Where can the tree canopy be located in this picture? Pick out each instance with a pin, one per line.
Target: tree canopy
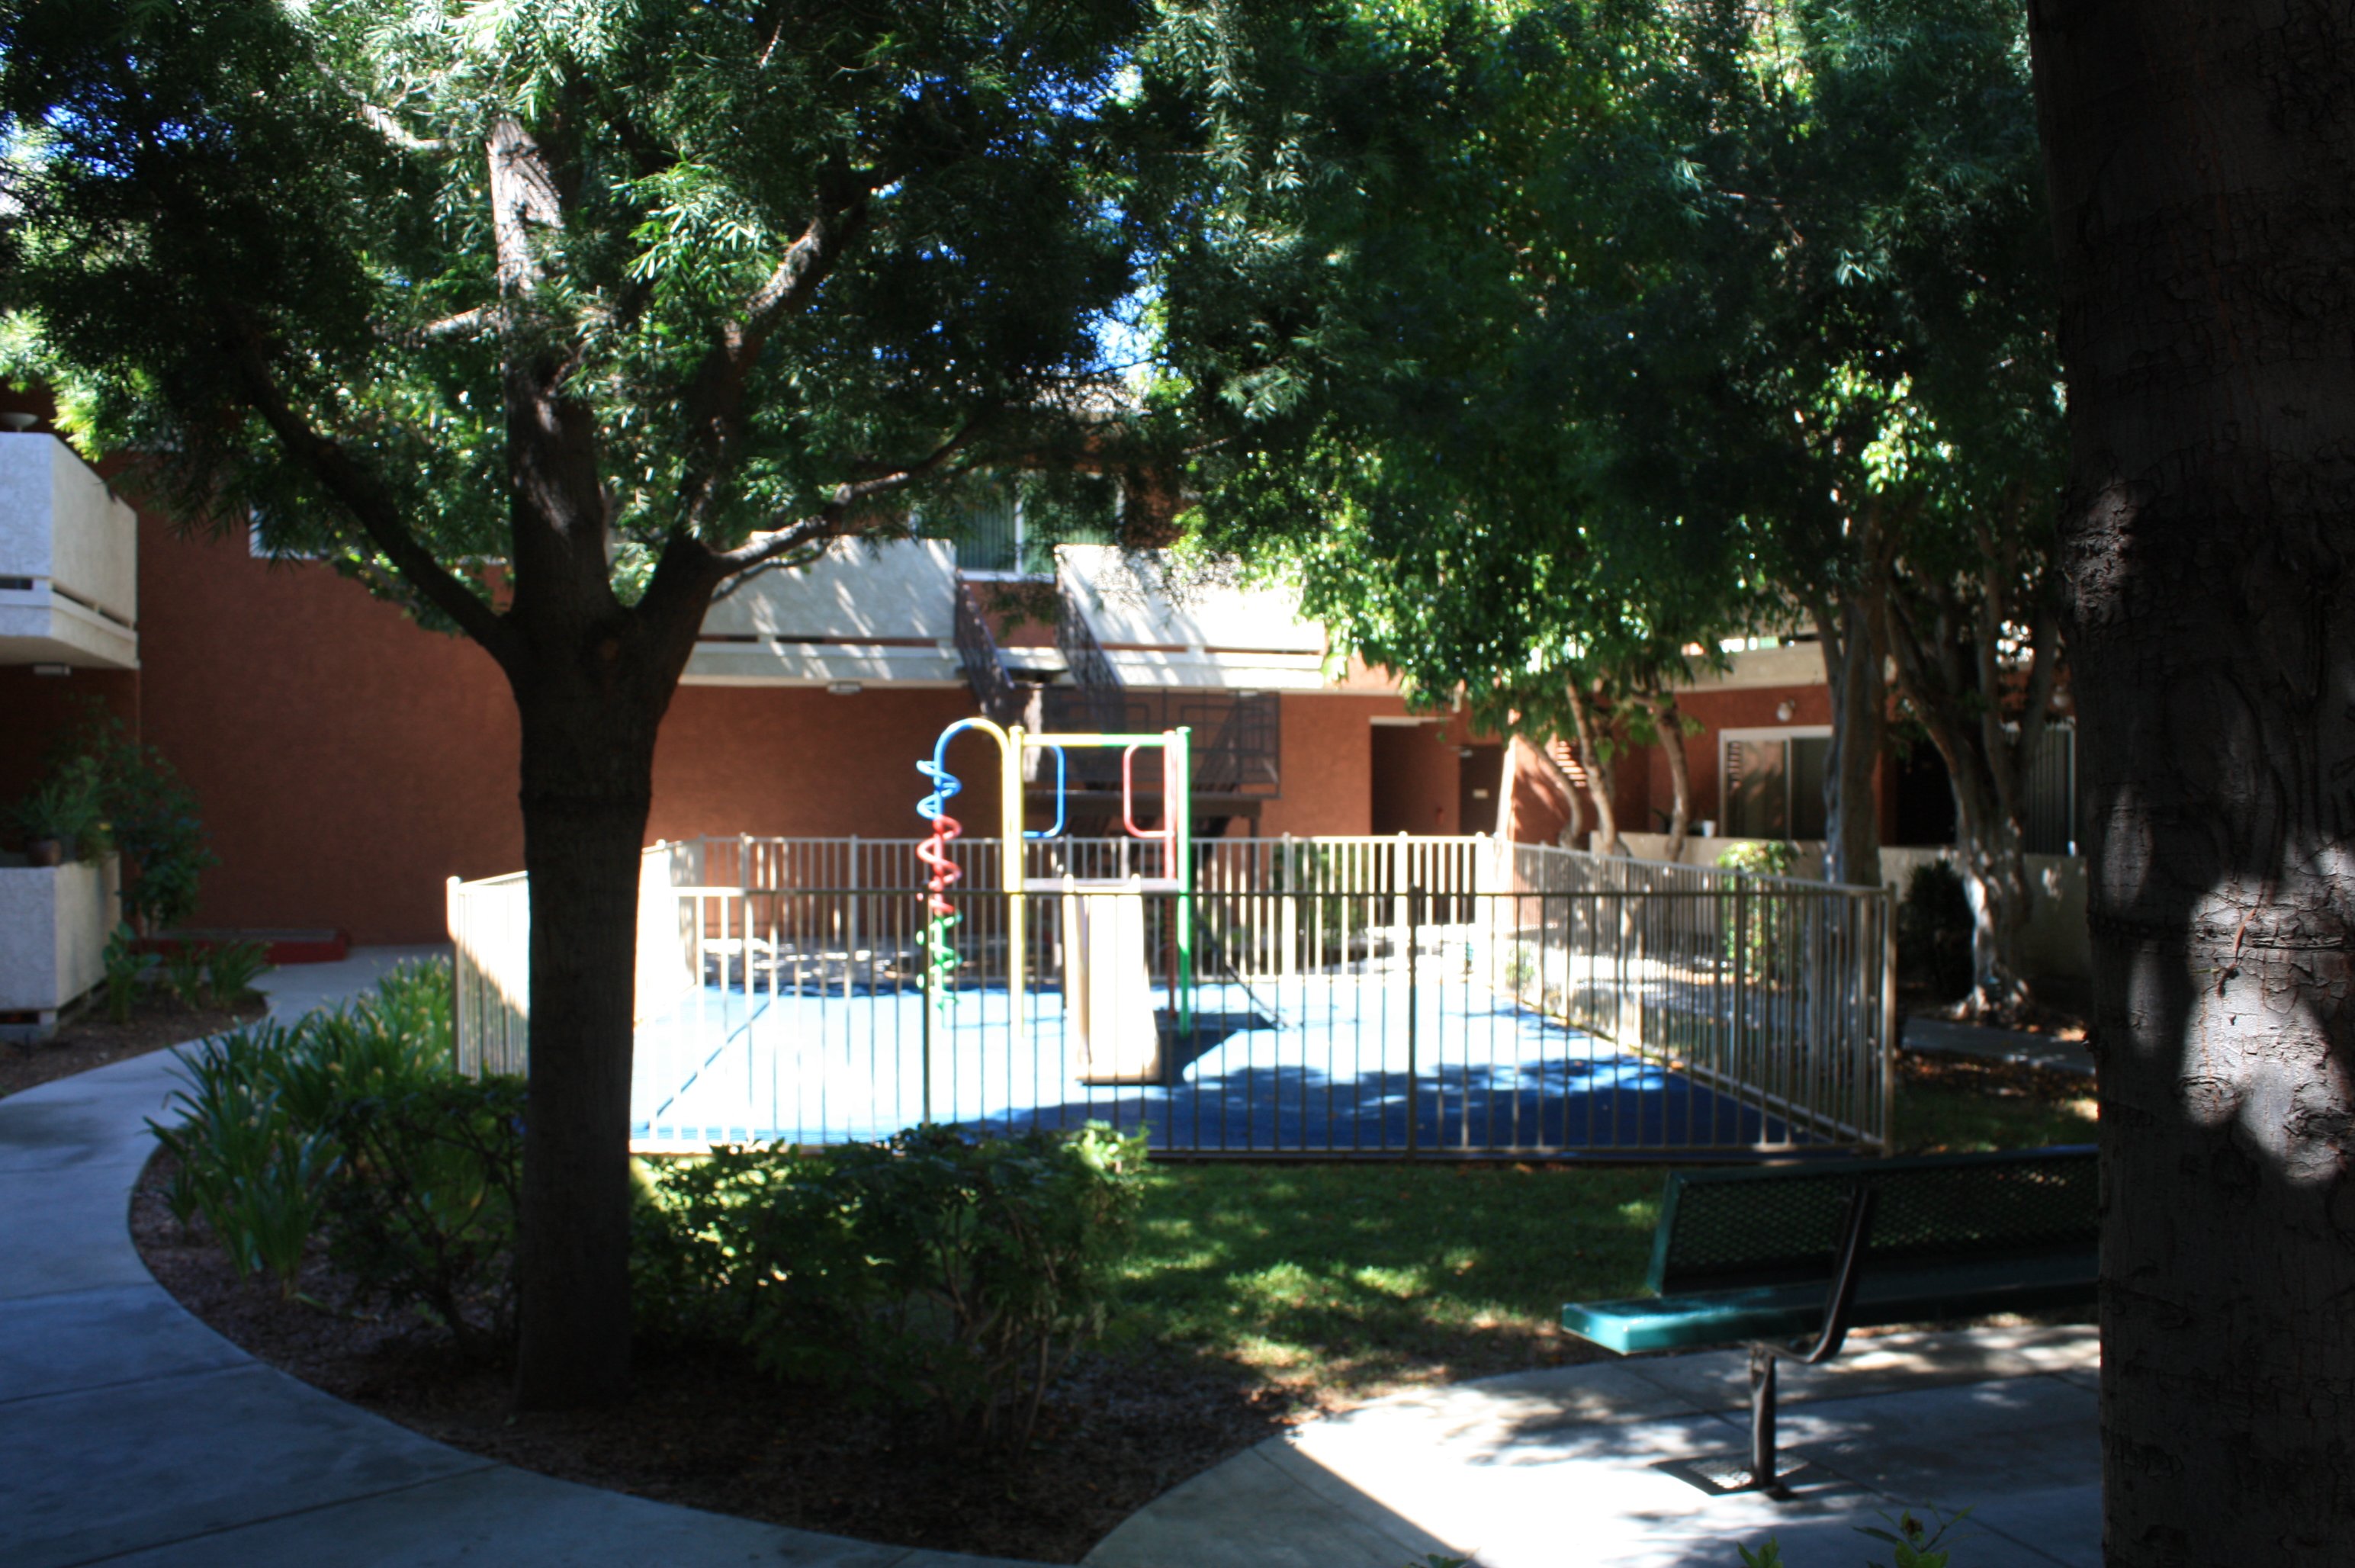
(551, 317)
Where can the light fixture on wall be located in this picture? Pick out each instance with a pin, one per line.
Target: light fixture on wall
(843, 688)
(53, 669)
(1783, 710)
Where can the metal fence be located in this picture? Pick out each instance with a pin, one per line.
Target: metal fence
(1348, 998)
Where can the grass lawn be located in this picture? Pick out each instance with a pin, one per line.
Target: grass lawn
(1340, 1281)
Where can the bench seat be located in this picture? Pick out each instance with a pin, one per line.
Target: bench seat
(1899, 1295)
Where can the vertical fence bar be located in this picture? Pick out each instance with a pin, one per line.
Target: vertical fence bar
(1413, 1016)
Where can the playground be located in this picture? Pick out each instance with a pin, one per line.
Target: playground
(1341, 997)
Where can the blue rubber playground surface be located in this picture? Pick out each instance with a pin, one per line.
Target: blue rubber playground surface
(1307, 1065)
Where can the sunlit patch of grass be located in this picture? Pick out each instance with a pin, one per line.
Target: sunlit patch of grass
(1339, 1281)
(1349, 1278)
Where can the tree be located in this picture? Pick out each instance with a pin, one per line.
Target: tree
(1408, 437)
(552, 318)
(2202, 161)
(1736, 297)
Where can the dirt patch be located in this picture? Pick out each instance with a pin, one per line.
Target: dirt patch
(2060, 1010)
(706, 1429)
(93, 1040)
(1994, 1080)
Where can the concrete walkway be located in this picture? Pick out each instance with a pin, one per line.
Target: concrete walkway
(1562, 1469)
(1998, 1044)
(132, 1434)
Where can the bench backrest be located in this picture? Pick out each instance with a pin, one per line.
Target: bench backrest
(1723, 1230)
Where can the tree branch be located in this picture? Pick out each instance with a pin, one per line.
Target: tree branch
(360, 496)
(828, 520)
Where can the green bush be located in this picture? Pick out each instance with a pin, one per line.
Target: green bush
(351, 1124)
(231, 969)
(424, 1216)
(1934, 931)
(125, 968)
(147, 813)
(1760, 857)
(184, 974)
(933, 1271)
(67, 805)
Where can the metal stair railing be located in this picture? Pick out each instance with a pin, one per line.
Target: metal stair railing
(1002, 697)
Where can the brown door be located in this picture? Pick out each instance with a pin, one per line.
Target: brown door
(1481, 775)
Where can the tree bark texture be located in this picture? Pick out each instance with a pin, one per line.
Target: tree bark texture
(1668, 724)
(1860, 694)
(1586, 726)
(2200, 158)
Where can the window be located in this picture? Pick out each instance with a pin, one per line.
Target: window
(1772, 782)
(2050, 785)
(1012, 529)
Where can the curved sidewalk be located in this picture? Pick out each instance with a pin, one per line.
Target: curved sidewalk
(131, 1432)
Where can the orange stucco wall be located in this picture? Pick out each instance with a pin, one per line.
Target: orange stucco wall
(796, 760)
(345, 761)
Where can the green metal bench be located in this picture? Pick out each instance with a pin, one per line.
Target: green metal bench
(1790, 1258)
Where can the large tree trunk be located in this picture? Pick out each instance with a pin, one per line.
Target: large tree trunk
(588, 776)
(1860, 694)
(2202, 164)
(591, 679)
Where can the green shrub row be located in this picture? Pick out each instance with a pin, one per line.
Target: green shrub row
(934, 1270)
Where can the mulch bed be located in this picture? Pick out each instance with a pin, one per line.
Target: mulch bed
(706, 1429)
(93, 1040)
(1994, 1080)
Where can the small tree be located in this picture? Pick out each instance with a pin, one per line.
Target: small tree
(549, 319)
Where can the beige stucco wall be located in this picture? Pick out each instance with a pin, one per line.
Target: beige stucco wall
(2057, 942)
(54, 922)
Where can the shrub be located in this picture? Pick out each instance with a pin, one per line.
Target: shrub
(933, 1271)
(231, 969)
(125, 968)
(424, 1214)
(149, 813)
(1934, 931)
(66, 807)
(350, 1123)
(1760, 857)
(248, 1166)
(184, 975)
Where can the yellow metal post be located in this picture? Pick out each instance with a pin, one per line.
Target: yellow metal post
(1010, 875)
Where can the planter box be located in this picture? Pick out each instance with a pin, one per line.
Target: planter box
(54, 922)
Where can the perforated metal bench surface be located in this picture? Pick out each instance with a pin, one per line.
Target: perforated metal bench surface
(1749, 1254)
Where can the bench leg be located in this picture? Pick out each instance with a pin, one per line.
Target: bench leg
(1762, 1418)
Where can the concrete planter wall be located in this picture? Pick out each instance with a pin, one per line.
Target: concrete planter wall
(2058, 943)
(54, 922)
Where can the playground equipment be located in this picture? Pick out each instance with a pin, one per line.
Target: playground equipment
(1107, 990)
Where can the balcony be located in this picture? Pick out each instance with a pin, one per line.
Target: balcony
(862, 614)
(68, 561)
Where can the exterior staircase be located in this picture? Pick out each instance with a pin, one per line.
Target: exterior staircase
(1075, 689)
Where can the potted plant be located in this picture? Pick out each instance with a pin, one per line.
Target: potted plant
(62, 817)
